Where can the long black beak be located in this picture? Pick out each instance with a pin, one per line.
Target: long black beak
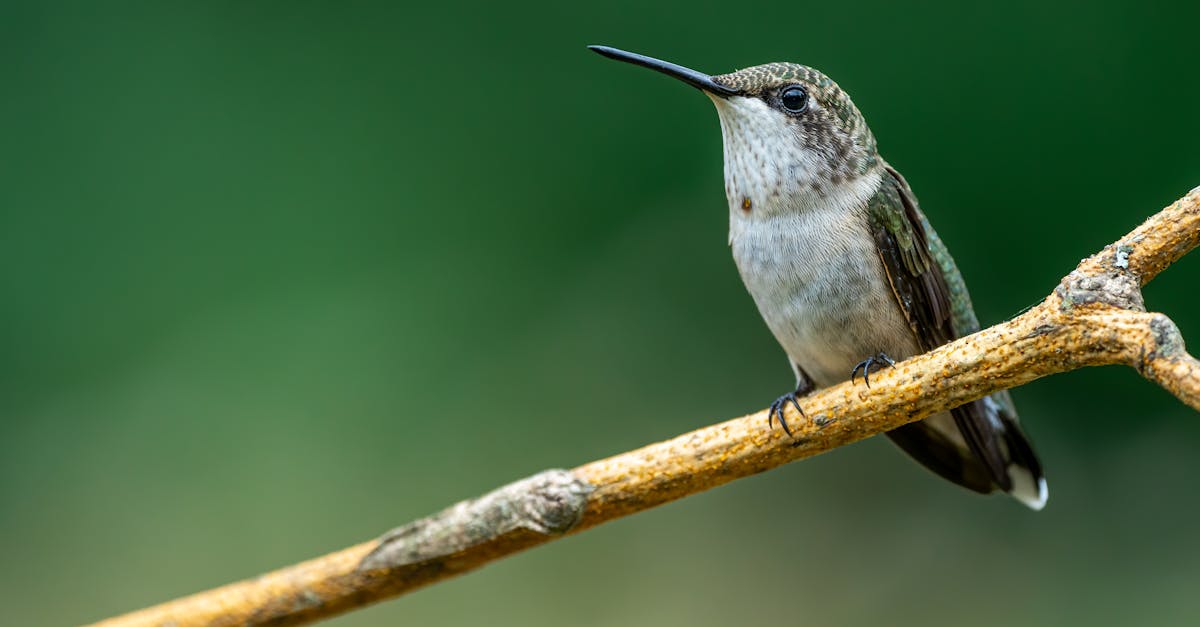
(691, 77)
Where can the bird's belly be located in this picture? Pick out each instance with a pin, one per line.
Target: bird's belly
(821, 288)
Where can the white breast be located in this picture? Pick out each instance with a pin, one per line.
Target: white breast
(820, 286)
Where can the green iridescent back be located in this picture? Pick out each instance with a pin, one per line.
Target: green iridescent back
(961, 310)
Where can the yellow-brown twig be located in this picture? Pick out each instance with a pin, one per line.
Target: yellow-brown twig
(1094, 317)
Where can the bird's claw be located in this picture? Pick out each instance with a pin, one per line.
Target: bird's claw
(777, 409)
(865, 366)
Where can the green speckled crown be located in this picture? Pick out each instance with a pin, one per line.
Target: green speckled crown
(761, 80)
(753, 80)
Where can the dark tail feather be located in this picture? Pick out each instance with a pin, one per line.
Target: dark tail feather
(1024, 469)
(982, 449)
(935, 451)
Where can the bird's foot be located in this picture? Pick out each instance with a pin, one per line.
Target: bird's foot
(780, 404)
(876, 361)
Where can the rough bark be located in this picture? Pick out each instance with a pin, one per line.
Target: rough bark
(1095, 316)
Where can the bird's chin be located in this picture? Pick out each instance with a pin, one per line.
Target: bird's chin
(724, 102)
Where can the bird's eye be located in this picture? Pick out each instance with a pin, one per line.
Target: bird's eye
(794, 98)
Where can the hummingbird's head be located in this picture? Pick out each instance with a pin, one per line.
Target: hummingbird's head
(793, 139)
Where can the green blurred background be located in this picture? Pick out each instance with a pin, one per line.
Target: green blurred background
(278, 276)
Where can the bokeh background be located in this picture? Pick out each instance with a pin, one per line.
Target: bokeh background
(278, 276)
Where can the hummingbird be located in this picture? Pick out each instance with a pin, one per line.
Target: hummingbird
(843, 265)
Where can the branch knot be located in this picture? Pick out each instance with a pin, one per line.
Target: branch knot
(1116, 288)
(548, 503)
(1167, 338)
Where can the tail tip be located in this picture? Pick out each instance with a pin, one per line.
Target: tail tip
(1033, 499)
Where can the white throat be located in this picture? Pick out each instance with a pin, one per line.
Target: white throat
(768, 172)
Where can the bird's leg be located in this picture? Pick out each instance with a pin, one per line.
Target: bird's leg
(878, 361)
(803, 388)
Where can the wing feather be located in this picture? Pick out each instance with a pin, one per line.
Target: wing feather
(921, 289)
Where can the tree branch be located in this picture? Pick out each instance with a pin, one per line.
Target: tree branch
(1095, 316)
